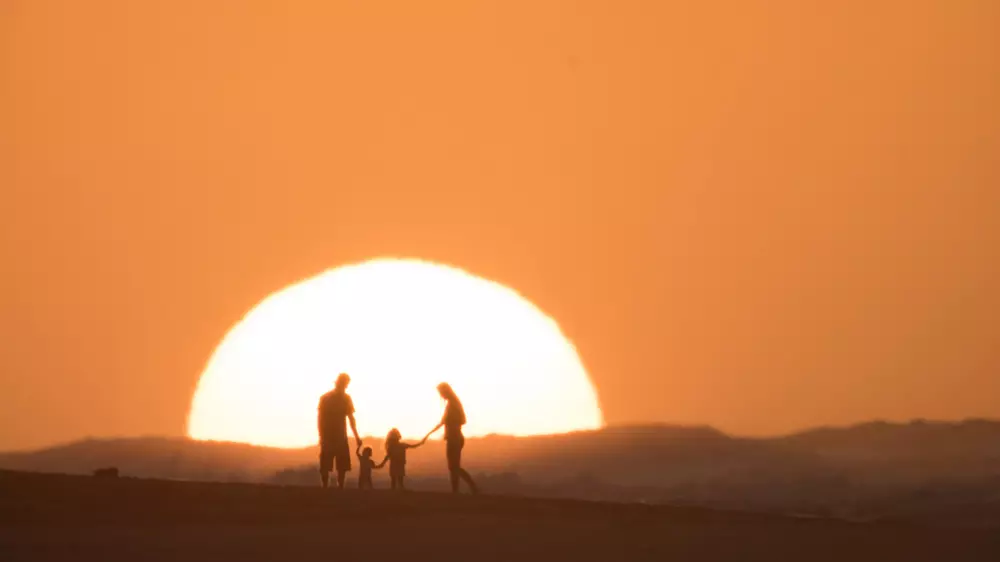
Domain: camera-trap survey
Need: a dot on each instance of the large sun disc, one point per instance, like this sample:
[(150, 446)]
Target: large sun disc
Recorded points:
[(398, 327)]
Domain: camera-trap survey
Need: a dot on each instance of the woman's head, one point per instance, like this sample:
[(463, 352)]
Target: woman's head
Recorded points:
[(446, 392)]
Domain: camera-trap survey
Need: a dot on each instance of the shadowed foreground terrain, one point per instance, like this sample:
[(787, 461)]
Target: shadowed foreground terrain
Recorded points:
[(59, 517)]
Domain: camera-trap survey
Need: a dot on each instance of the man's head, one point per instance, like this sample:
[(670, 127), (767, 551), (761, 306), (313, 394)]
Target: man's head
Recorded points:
[(342, 381)]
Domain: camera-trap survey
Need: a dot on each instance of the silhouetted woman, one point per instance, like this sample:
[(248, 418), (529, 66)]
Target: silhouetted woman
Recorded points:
[(452, 421)]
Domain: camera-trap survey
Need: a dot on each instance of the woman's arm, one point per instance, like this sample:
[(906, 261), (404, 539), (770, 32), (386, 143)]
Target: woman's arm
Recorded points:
[(381, 464), (431, 432)]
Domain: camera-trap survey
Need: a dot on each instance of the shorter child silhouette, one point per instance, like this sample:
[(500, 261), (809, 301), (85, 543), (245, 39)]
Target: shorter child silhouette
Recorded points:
[(365, 467), (395, 455)]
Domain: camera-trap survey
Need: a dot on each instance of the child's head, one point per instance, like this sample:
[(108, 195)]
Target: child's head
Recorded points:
[(393, 438), (366, 452)]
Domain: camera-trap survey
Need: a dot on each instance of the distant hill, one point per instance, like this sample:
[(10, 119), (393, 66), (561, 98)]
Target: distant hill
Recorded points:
[(161, 457), (644, 455), (871, 468)]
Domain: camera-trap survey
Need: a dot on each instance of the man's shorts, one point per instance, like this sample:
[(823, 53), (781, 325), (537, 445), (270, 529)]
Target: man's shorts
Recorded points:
[(334, 450)]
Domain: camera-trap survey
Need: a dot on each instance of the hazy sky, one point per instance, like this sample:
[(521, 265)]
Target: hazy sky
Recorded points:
[(760, 215)]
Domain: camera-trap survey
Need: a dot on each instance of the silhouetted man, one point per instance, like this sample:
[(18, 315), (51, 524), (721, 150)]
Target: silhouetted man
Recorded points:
[(334, 407)]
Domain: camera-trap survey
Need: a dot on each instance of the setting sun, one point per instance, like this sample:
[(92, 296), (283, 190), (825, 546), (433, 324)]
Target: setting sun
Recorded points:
[(399, 327)]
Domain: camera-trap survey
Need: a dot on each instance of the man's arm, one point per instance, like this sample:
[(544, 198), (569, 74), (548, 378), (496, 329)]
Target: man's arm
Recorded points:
[(354, 428), (319, 420)]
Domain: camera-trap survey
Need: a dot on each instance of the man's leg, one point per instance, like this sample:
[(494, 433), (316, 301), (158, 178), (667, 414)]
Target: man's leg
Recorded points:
[(342, 461), (325, 464)]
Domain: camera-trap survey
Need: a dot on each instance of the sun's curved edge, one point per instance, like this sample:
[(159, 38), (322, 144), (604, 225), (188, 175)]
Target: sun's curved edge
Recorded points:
[(274, 295)]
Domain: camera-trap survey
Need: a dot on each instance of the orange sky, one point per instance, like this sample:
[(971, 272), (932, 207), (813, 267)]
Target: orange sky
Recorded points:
[(760, 215)]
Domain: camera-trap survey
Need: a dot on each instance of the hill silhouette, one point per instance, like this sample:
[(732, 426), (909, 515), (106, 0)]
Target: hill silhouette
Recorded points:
[(918, 470), (160, 457)]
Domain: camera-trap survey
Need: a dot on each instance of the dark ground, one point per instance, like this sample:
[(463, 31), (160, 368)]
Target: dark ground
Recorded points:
[(56, 517)]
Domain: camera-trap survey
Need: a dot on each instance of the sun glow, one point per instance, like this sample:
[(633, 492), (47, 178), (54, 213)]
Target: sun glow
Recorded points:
[(398, 327)]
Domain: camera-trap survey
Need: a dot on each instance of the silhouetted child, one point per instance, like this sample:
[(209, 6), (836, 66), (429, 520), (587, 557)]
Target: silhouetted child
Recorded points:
[(395, 455), (365, 467)]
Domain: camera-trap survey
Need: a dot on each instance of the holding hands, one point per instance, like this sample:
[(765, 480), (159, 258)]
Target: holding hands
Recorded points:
[(431, 432)]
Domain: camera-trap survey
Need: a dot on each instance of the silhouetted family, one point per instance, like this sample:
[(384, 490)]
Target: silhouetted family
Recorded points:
[(336, 408)]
